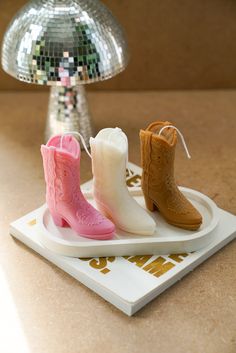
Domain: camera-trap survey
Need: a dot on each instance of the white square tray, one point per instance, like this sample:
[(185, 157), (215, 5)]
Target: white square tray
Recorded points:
[(128, 282)]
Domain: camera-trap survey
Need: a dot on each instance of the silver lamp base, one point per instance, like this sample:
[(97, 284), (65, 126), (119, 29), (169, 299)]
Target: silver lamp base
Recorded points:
[(68, 111)]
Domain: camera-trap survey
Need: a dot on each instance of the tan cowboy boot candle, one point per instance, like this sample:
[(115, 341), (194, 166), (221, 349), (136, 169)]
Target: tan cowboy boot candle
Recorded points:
[(158, 143)]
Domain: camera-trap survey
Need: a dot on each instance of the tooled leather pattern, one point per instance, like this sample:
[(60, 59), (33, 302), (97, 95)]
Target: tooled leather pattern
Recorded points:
[(162, 178), (50, 175), (177, 203), (145, 159), (67, 185)]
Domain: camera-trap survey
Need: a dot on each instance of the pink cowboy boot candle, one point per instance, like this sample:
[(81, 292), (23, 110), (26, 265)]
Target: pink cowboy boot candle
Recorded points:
[(65, 200)]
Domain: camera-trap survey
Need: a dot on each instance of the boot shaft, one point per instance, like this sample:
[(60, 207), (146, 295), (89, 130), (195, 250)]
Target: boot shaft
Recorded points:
[(61, 170), (108, 164), (157, 157)]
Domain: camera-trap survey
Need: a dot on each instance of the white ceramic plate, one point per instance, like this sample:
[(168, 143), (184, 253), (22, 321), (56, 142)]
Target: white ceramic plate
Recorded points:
[(166, 239)]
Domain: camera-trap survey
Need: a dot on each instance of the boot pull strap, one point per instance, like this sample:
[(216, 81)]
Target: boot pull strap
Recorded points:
[(181, 135), (81, 138)]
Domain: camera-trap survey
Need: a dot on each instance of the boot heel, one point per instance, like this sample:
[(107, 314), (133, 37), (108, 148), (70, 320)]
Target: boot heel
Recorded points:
[(59, 221), (149, 204)]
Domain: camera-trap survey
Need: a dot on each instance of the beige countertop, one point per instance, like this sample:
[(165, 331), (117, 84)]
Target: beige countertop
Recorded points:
[(45, 310)]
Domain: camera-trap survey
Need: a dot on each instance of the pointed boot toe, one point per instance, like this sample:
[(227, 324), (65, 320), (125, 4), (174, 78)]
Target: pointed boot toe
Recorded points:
[(181, 213), (95, 227), (191, 221), (194, 220), (105, 230), (146, 227)]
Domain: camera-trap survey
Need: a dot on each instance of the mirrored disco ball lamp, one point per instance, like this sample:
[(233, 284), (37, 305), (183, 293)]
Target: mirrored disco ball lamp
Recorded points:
[(65, 44)]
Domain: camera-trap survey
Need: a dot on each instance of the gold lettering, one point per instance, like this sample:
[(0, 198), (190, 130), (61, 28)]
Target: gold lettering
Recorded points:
[(178, 257), (139, 260), (158, 267), (105, 271), (128, 172), (101, 262), (134, 181), (98, 264), (111, 258), (32, 223)]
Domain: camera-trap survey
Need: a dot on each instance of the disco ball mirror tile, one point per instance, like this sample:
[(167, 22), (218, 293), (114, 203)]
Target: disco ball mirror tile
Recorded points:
[(64, 43)]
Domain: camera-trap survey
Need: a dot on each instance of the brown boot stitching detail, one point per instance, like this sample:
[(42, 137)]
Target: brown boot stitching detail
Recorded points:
[(149, 149)]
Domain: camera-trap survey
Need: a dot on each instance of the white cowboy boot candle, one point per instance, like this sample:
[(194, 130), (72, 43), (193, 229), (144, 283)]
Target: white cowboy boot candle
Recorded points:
[(109, 151)]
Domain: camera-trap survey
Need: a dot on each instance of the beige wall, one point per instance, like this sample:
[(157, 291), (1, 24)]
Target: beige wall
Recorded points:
[(175, 44)]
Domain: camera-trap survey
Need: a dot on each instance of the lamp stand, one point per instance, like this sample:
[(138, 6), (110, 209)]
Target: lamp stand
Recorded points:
[(68, 111)]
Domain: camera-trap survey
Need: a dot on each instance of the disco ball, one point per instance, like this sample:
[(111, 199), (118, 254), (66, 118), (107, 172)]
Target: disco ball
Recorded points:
[(65, 44)]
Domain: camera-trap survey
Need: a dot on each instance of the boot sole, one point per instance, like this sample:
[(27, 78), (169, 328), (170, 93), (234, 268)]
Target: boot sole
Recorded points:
[(102, 237), (185, 226)]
